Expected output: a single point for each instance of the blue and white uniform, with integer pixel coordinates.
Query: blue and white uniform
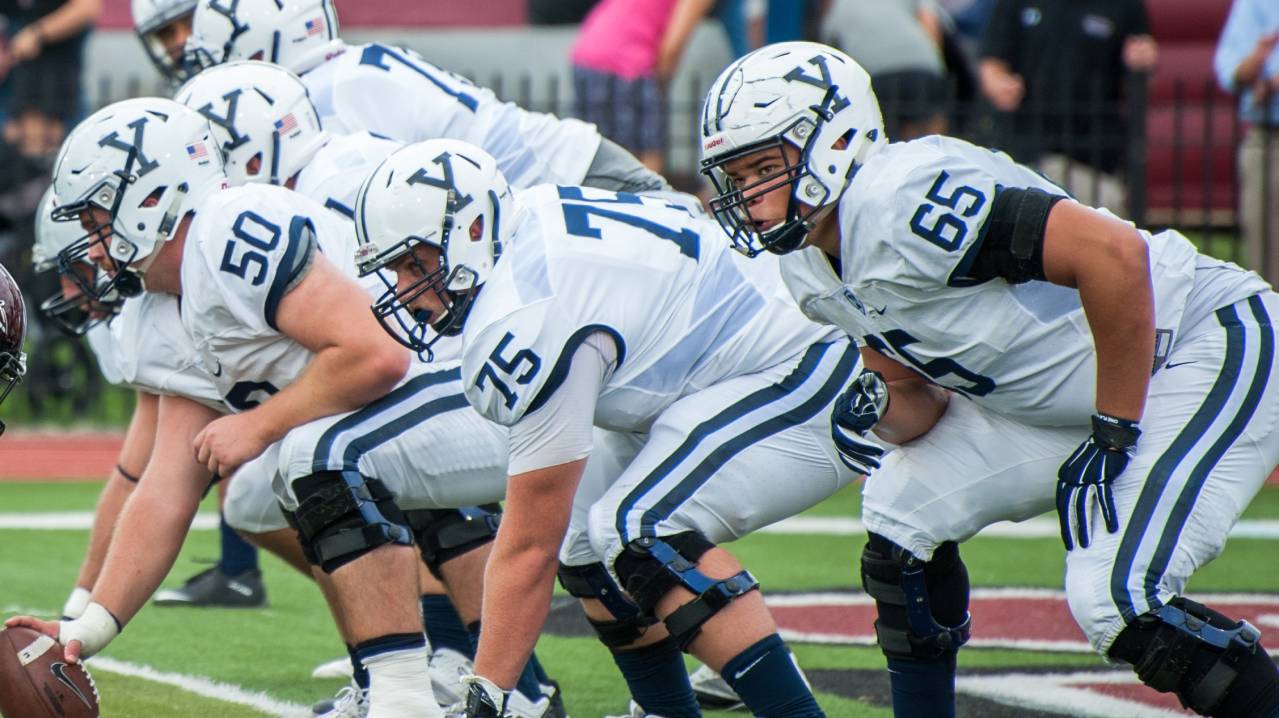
(1022, 364)
(631, 315)
(246, 249)
(393, 93)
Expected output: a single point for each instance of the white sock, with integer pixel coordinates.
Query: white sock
(399, 686)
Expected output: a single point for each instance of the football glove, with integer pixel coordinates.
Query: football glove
(856, 412)
(484, 699)
(1088, 473)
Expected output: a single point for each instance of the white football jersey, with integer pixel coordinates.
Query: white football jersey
(392, 92)
(911, 222)
(154, 353)
(685, 311)
(246, 248)
(105, 350)
(334, 175)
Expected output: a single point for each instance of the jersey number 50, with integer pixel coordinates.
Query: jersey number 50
(255, 231)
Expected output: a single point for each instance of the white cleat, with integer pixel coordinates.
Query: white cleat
(446, 668)
(350, 702)
(713, 691)
(635, 712)
(336, 668)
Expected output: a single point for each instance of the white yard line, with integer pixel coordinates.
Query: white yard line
(1061, 693)
(201, 686)
(78, 520)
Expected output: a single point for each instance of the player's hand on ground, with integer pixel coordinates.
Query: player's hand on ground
(71, 651)
(227, 443)
(484, 699)
(1087, 475)
(856, 412)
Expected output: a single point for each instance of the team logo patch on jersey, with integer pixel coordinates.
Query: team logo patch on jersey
(854, 301)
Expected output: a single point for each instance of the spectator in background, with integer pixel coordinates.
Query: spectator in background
(558, 12)
(625, 55)
(970, 17)
(41, 63)
(1247, 64)
(899, 42)
(1057, 68)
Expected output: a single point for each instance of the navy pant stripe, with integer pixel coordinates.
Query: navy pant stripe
(399, 395)
(1189, 493)
(1162, 471)
(392, 429)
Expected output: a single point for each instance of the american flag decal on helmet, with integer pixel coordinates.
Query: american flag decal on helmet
(314, 26)
(198, 152)
(286, 124)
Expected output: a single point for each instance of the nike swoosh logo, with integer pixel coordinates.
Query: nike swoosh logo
(738, 676)
(219, 371)
(1182, 363)
(240, 589)
(59, 672)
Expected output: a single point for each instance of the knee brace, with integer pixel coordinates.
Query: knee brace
(444, 534)
(922, 605)
(652, 566)
(1191, 651)
(594, 581)
(342, 516)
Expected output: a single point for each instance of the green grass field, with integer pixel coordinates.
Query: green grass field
(272, 651)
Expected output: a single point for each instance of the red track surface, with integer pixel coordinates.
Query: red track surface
(62, 456)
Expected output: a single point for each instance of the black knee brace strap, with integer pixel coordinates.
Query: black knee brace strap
(444, 534)
(594, 581)
(1188, 649)
(652, 566)
(341, 516)
(906, 589)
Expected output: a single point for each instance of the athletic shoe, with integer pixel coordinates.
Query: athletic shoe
(446, 668)
(713, 692)
(336, 668)
(350, 702)
(635, 712)
(216, 589)
(552, 690)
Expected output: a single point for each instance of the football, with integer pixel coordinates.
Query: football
(35, 682)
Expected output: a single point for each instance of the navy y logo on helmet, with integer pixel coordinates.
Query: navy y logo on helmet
(227, 121)
(145, 164)
(837, 101)
(445, 161)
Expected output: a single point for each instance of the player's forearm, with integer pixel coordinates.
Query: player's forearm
(69, 19)
(517, 597)
(1119, 302)
(338, 380)
(105, 517)
(914, 407)
(147, 539)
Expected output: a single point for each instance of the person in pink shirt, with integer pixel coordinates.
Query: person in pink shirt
(625, 53)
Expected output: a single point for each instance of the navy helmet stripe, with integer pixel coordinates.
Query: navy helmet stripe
(397, 396)
(717, 458)
(751, 402)
(1169, 461)
(1186, 501)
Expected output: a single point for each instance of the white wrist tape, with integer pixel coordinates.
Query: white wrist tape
(94, 629)
(76, 603)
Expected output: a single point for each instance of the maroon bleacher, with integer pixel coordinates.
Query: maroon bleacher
(1190, 123)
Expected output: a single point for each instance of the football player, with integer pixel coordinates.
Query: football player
(392, 92)
(163, 27)
(581, 308)
(1050, 354)
(13, 330)
(265, 123)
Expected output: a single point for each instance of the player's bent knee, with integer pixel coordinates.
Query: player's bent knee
(594, 581)
(1214, 665)
(922, 605)
(444, 534)
(342, 516)
(651, 567)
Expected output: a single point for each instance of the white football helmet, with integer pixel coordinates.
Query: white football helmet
(153, 19)
(297, 34)
(801, 95)
(147, 162)
(74, 315)
(257, 110)
(432, 193)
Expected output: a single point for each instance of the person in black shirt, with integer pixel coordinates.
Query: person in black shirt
(1057, 68)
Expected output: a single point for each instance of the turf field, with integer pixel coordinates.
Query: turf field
(193, 663)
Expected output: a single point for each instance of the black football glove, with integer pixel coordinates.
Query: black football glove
(1088, 474)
